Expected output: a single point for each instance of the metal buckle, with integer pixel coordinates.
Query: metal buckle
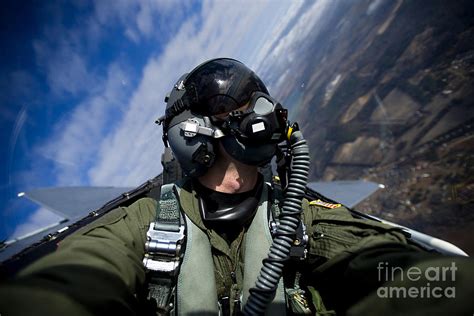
(224, 306)
(298, 248)
(163, 249)
(165, 243)
(168, 267)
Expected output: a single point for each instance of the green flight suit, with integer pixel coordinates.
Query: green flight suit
(98, 270)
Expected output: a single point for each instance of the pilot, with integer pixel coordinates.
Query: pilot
(225, 239)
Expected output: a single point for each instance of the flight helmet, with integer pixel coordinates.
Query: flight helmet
(221, 100)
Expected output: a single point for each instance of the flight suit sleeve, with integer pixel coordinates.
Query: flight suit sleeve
(335, 238)
(96, 270)
(353, 264)
(334, 233)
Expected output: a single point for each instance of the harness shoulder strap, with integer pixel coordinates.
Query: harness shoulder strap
(164, 249)
(298, 249)
(296, 297)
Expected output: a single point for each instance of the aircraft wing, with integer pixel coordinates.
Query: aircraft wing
(71, 203)
(349, 193)
(74, 202)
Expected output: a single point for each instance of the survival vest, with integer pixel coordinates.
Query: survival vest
(179, 260)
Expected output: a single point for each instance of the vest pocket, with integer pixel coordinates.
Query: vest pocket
(332, 237)
(326, 241)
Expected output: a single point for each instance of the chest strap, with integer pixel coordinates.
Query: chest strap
(164, 249)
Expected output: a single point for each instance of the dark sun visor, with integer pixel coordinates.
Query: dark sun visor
(221, 86)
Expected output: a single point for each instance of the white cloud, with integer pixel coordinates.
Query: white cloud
(290, 46)
(373, 6)
(110, 137)
(130, 152)
(134, 145)
(74, 144)
(65, 68)
(277, 31)
(144, 19)
(141, 19)
(65, 52)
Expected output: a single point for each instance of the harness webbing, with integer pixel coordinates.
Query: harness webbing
(168, 215)
(165, 237)
(163, 251)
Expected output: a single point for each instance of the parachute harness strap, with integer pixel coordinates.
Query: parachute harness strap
(163, 249)
(298, 249)
(263, 292)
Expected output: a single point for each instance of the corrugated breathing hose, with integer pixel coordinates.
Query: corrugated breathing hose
(267, 282)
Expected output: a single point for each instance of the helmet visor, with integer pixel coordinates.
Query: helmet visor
(221, 86)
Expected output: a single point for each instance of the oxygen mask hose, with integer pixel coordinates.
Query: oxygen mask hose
(267, 282)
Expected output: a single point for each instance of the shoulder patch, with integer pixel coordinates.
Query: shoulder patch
(324, 204)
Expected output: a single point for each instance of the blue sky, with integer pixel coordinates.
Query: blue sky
(83, 81)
